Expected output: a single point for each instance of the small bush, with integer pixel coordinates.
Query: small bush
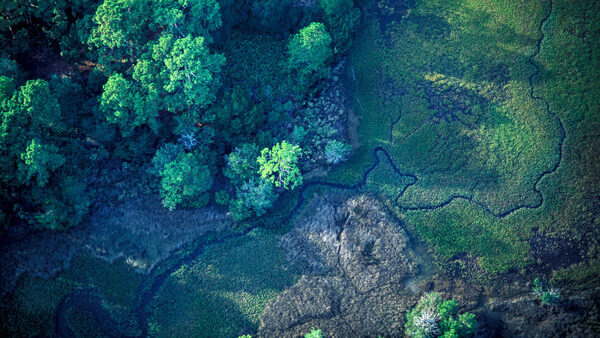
(314, 334)
(548, 296)
(434, 317)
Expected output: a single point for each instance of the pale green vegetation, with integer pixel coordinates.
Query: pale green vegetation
(314, 333)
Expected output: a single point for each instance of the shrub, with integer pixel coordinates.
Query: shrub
(434, 317)
(336, 151)
(221, 197)
(548, 296)
(314, 334)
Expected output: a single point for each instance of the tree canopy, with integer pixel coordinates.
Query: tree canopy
(310, 53)
(140, 86)
(280, 165)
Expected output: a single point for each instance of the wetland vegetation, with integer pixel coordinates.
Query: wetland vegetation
(317, 168)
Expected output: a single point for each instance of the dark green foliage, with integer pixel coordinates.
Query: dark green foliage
(548, 295)
(237, 116)
(184, 177)
(221, 197)
(182, 17)
(7, 87)
(310, 54)
(434, 317)
(275, 16)
(62, 205)
(241, 164)
(342, 19)
(37, 102)
(253, 197)
(538, 289)
(126, 75)
(551, 296)
(36, 23)
(39, 161)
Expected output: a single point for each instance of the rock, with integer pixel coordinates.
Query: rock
(354, 257)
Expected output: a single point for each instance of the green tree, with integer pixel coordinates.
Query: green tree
(124, 105)
(252, 197)
(7, 88)
(241, 164)
(121, 28)
(60, 205)
(310, 53)
(31, 112)
(280, 165)
(433, 316)
(191, 73)
(185, 17)
(184, 177)
(40, 161)
(32, 127)
(37, 101)
(341, 18)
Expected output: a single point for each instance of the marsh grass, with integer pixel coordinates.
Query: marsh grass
(451, 80)
(231, 281)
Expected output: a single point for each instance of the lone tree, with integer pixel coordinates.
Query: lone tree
(280, 165)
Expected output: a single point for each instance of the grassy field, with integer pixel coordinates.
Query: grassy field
(446, 92)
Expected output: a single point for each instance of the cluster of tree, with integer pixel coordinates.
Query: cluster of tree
(153, 93)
